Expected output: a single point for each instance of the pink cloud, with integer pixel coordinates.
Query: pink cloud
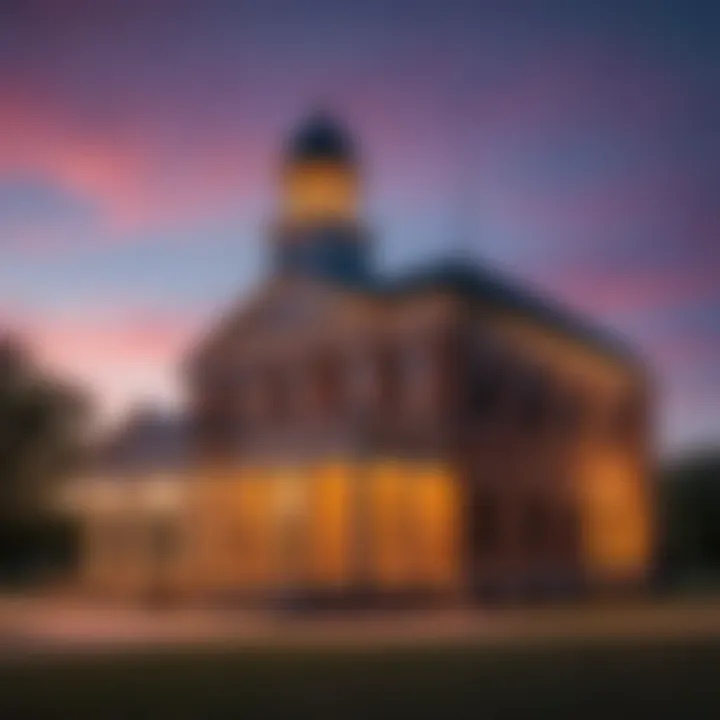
(134, 176)
(617, 292)
(119, 356)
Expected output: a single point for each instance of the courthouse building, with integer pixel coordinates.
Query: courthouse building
(444, 434)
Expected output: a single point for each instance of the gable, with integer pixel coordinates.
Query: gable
(281, 309)
(498, 293)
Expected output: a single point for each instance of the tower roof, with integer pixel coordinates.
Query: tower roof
(321, 137)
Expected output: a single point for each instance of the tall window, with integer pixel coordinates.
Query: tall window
(266, 395)
(485, 522)
(388, 377)
(362, 379)
(487, 386)
(420, 376)
(566, 535)
(535, 525)
(574, 413)
(164, 540)
(217, 412)
(328, 386)
(117, 541)
(626, 419)
(533, 404)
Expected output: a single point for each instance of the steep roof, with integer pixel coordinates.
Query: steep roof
(321, 137)
(481, 284)
(148, 440)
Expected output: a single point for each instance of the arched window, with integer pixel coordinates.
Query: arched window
(574, 413)
(164, 540)
(361, 379)
(566, 528)
(389, 376)
(419, 375)
(535, 525)
(266, 395)
(485, 522)
(488, 384)
(117, 538)
(533, 403)
(328, 384)
(216, 415)
(627, 419)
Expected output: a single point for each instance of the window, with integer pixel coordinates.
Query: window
(362, 379)
(420, 376)
(566, 537)
(253, 396)
(533, 403)
(277, 394)
(488, 383)
(116, 541)
(164, 540)
(485, 523)
(535, 525)
(327, 383)
(266, 395)
(573, 412)
(388, 377)
(626, 419)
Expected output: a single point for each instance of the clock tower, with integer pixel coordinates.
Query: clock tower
(318, 232)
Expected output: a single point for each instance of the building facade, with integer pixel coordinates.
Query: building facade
(445, 434)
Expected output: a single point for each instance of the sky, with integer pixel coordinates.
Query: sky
(575, 144)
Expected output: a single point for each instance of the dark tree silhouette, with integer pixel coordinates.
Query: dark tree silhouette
(690, 508)
(42, 427)
(42, 422)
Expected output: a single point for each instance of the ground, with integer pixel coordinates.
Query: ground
(637, 660)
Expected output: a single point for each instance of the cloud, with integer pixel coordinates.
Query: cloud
(135, 176)
(119, 355)
(614, 293)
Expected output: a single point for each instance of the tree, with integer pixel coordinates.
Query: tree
(690, 507)
(42, 424)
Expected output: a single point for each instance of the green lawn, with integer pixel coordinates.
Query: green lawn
(675, 679)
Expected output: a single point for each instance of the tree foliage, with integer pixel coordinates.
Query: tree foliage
(690, 514)
(42, 423)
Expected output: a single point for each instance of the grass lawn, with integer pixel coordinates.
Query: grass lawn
(604, 679)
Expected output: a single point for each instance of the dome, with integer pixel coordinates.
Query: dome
(321, 138)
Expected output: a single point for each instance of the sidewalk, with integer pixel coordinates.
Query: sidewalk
(42, 624)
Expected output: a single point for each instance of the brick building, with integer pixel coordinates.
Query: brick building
(443, 434)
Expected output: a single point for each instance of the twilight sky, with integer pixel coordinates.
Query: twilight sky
(576, 144)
